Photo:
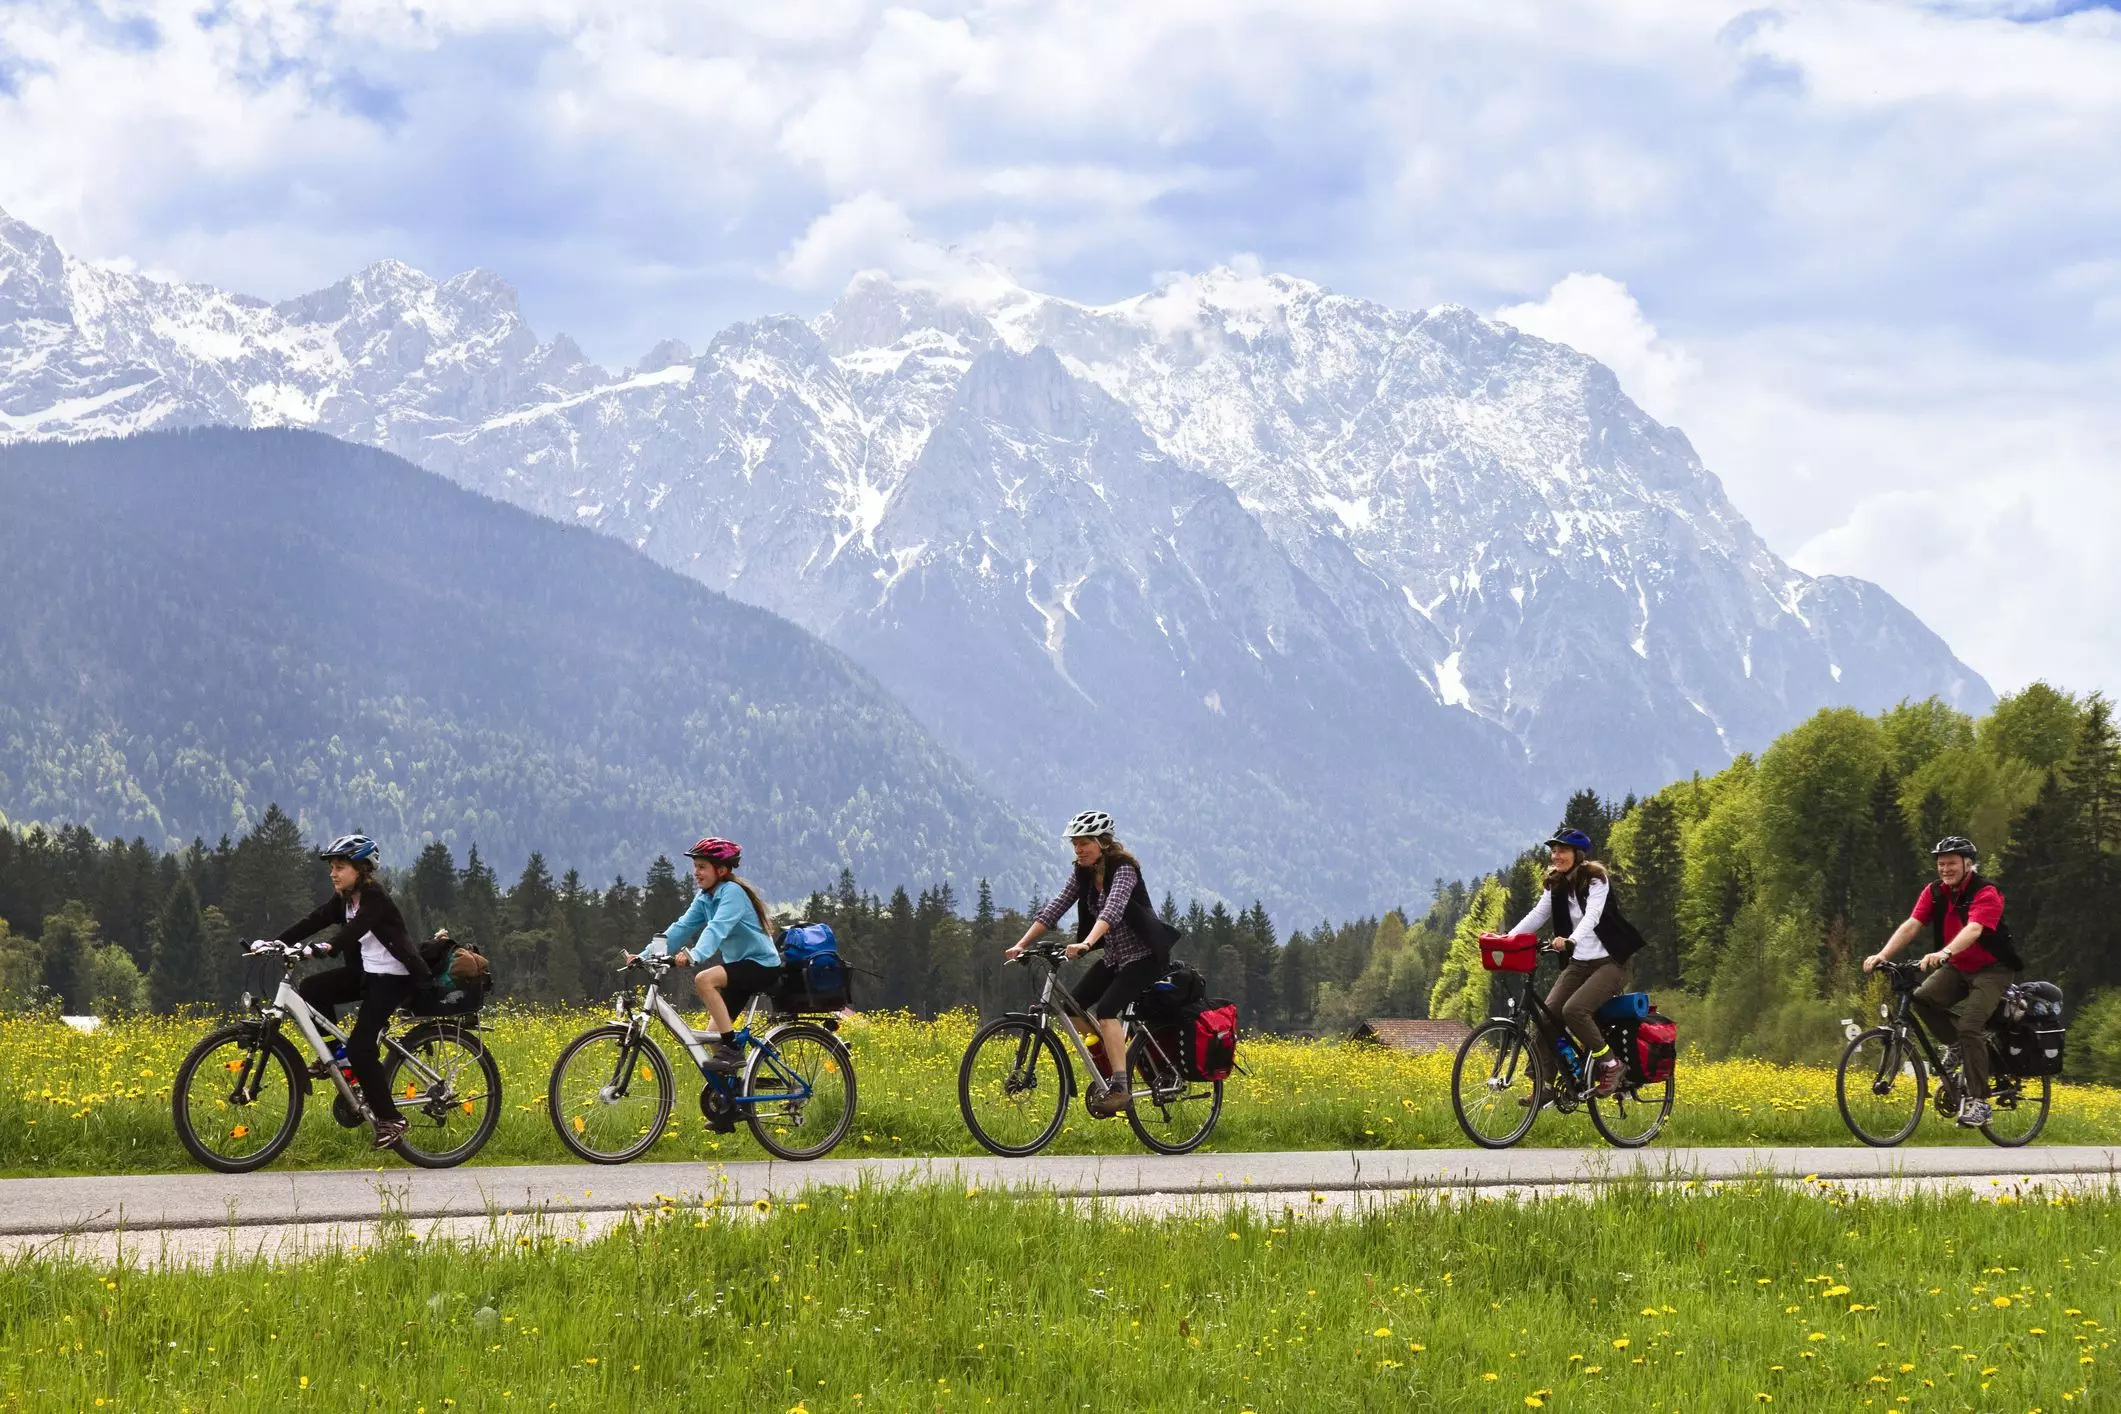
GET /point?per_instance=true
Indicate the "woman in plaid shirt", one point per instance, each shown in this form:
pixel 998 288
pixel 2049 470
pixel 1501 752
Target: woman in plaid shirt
pixel 1113 914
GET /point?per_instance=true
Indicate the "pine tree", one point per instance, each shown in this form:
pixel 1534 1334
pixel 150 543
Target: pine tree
pixel 1461 989
pixel 1656 879
pixel 181 971
pixel 69 936
pixel 434 883
pixel 663 898
pixel 273 879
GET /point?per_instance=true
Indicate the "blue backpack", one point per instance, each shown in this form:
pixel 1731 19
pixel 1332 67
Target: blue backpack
pixel 813 975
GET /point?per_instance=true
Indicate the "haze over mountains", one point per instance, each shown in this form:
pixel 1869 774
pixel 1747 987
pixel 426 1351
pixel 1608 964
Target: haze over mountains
pixel 201 623
pixel 1322 598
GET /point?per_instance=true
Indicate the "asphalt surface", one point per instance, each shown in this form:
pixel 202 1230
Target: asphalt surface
pixel 37 1208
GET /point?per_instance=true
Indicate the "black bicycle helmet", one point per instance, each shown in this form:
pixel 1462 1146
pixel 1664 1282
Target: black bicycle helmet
pixel 1959 845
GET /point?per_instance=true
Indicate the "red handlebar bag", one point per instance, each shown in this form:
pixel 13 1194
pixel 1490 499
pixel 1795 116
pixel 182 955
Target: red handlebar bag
pixel 1514 952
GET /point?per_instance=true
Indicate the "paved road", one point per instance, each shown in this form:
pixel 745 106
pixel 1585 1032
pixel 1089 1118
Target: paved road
pixel 42 1207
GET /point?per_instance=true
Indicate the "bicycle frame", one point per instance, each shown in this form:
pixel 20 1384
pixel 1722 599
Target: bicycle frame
pixel 654 1006
pixel 287 1004
pixel 1055 1000
pixel 1904 1021
pixel 1527 1006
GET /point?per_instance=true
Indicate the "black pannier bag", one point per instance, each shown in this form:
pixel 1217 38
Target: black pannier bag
pixel 1168 999
pixel 2028 1030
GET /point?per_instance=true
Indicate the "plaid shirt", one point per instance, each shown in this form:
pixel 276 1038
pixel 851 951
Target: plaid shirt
pixel 1122 944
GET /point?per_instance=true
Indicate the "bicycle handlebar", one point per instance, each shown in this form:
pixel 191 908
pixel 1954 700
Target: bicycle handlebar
pixel 271 947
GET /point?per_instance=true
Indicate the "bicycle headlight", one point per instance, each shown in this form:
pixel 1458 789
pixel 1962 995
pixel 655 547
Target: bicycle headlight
pixel 249 1002
pixel 1885 1013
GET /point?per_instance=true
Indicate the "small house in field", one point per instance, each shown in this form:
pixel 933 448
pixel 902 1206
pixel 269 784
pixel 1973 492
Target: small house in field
pixel 1406 1034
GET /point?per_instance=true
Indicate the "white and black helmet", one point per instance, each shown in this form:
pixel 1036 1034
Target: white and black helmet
pixel 1089 825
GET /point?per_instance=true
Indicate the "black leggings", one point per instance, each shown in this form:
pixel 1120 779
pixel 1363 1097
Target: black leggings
pixel 380 994
pixel 1105 990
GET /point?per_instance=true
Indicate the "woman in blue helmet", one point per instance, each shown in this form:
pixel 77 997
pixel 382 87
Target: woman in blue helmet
pixel 383 969
pixel 1578 902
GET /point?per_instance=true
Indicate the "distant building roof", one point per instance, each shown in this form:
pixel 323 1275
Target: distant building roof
pixel 1407 1034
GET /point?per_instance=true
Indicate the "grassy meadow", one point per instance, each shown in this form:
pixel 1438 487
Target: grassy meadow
pixel 927 1299
pixel 99 1103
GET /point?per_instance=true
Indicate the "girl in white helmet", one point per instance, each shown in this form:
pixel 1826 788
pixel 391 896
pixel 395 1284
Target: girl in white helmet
pixel 1113 914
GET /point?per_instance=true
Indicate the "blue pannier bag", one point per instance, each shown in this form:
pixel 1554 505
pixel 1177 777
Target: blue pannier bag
pixel 1627 1007
pixel 813 975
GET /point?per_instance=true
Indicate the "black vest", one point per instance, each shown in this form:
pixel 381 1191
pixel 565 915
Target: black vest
pixel 1997 940
pixel 1614 931
pixel 1140 915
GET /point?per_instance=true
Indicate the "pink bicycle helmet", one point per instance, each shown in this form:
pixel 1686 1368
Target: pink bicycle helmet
pixel 717 851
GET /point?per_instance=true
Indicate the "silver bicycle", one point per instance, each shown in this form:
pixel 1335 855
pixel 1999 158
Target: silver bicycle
pixel 239 1095
pixel 612 1088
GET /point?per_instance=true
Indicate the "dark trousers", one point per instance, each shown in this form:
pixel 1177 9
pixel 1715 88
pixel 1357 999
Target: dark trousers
pixel 1582 988
pixel 1956 1006
pixel 380 994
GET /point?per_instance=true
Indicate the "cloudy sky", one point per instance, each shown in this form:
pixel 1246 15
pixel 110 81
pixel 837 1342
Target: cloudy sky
pixel 1867 254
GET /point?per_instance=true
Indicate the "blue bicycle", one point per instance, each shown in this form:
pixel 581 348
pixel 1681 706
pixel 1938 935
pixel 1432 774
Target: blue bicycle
pixel 612 1088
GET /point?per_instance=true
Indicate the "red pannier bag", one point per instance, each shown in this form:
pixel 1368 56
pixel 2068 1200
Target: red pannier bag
pixel 1211 1043
pixel 1656 1048
pixel 1512 952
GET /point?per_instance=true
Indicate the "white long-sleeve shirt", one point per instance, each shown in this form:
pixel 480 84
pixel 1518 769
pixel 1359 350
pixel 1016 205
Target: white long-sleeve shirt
pixel 1585 933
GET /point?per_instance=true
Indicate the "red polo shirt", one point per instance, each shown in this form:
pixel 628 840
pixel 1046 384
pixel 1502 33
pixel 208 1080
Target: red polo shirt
pixel 1985 908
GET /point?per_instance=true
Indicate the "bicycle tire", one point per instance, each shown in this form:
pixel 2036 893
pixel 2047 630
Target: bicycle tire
pixel 835 1063
pixel 1510 1064
pixel 2009 1140
pixel 1609 1114
pixel 577 1118
pixel 1908 1066
pixel 429 1114
pixel 268 1050
pixel 1031 1042
pixel 1156 1074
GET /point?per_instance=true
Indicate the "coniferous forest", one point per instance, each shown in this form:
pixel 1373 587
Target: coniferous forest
pixel 1759 891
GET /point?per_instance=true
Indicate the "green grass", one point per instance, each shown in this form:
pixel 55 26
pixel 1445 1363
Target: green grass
pixel 929 1299
pixel 99 1103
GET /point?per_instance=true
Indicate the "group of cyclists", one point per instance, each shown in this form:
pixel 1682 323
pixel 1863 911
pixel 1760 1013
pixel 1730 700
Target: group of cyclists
pixel 1971 965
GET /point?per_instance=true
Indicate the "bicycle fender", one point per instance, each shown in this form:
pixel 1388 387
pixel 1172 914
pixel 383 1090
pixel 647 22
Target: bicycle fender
pixel 1017 1016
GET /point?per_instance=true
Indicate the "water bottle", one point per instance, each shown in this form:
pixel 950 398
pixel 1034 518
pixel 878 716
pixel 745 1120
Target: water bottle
pixel 1568 1056
pixel 339 1059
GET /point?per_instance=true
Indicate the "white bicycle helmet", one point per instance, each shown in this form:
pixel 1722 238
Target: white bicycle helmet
pixel 1090 824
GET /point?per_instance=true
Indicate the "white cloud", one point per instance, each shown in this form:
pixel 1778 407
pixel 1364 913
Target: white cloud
pixel 1870 232
pixel 1595 314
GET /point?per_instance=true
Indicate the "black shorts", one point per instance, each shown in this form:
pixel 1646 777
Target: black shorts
pixel 747 979
pixel 1105 991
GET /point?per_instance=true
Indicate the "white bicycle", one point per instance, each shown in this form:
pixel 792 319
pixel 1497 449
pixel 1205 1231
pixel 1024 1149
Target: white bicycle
pixel 239 1095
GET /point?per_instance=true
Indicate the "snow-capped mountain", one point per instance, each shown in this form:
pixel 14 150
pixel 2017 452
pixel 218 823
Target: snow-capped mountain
pixel 1322 597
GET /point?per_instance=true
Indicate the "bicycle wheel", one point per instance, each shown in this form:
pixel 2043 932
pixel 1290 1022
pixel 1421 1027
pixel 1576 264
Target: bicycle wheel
pixel 1631 1118
pixel 1013 1087
pixel 800 1084
pixel 450 1107
pixel 1880 1085
pixel 1169 1112
pixel 237 1100
pixel 609 1101
pixel 1492 1084
pixel 2017 1110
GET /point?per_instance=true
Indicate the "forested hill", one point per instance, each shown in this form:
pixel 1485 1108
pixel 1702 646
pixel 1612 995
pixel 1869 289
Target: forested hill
pixel 202 622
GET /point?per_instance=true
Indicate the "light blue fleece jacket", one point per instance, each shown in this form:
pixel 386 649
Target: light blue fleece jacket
pixel 731 926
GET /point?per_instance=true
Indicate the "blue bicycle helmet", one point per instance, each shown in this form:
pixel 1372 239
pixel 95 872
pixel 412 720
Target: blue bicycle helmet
pixel 358 849
pixel 1574 839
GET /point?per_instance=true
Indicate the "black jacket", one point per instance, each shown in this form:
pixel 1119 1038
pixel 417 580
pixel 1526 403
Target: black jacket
pixel 1614 931
pixel 378 915
pixel 1140 914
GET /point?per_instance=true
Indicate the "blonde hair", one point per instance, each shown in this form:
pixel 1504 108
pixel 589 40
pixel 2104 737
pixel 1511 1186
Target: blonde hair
pixel 758 905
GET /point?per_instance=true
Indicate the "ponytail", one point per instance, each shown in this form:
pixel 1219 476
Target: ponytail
pixel 758 906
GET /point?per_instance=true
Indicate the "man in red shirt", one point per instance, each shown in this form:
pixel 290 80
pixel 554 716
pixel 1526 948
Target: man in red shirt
pixel 1964 913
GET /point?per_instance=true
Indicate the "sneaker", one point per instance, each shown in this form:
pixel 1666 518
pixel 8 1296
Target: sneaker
pixel 389 1132
pixel 1606 1078
pixel 1973 1113
pixel 1108 1098
pixel 725 1058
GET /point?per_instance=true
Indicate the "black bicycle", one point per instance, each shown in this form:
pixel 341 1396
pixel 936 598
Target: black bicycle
pixel 1014 1084
pixel 1494 1084
pixel 1884 1074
